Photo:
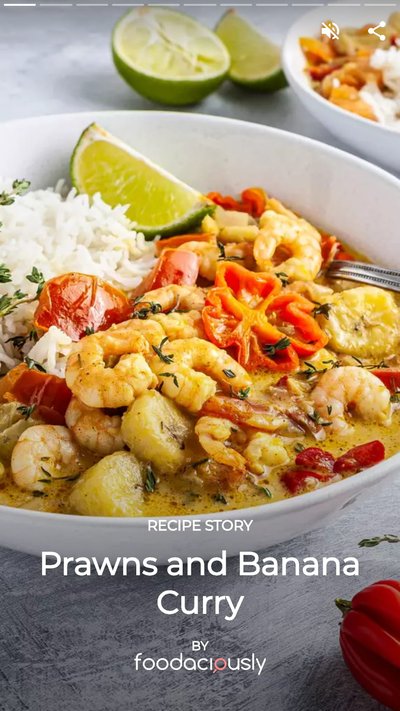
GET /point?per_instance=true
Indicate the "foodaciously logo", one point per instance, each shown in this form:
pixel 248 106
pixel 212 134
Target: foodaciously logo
pixel 212 664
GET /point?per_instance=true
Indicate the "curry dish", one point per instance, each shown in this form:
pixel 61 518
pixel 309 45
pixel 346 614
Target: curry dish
pixel 236 374
pixel 359 71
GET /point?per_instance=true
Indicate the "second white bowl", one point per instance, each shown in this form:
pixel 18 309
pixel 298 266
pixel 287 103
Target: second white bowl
pixel 378 143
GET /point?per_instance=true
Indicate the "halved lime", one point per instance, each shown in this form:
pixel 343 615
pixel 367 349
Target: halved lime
pixel 167 56
pixel 159 203
pixel 255 61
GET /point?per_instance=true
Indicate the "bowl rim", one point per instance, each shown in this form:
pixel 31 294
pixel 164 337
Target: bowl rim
pixel 294 71
pixel 351 485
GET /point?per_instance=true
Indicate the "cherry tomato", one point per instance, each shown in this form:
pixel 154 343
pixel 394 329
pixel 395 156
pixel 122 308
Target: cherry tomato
pixel 48 393
pixel 79 303
pixel 174 266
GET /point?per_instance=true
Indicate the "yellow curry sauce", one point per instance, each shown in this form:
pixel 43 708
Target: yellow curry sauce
pixel 154 444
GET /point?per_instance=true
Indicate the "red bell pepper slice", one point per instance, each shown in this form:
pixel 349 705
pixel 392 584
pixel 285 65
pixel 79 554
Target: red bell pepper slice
pixel 295 479
pixel 360 457
pixel 245 312
pixel 296 310
pixel 389 377
pixel 316 458
pixel 253 201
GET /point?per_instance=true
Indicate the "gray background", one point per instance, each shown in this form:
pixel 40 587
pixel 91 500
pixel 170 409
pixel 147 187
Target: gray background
pixel 68 643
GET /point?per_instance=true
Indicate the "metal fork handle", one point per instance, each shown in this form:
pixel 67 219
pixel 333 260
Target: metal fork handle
pixel 366 277
pixel 365 267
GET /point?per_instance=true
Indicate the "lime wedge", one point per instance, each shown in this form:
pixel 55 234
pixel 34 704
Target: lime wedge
pixel 167 56
pixel 255 61
pixel 159 203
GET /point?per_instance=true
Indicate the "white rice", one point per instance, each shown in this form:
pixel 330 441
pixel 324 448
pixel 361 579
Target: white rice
pixel 59 234
pixel 385 106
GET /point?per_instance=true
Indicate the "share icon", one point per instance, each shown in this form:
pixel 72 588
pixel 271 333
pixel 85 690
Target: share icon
pixel 373 31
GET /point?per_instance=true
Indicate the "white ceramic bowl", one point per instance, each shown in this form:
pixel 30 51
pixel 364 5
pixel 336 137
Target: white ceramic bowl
pixel 338 192
pixel 380 144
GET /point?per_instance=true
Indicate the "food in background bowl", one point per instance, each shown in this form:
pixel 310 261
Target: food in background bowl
pixel 208 371
pixel 359 72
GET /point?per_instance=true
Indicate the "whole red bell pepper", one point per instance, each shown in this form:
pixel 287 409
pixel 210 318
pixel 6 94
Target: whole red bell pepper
pixel 370 640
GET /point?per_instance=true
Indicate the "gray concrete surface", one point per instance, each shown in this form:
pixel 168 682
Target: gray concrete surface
pixel 69 643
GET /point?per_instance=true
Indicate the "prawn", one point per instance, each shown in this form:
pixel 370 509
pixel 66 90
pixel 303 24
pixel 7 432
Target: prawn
pixel 43 453
pixel 97 385
pixel 351 389
pixel 181 325
pixel 214 436
pixel 210 254
pixel 298 243
pixel 93 428
pixel 264 451
pixel 189 370
pixel 174 296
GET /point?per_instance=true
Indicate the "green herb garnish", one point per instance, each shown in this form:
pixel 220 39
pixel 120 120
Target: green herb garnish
pixel 283 277
pixel 243 393
pixel 26 410
pixel 220 498
pixel 271 349
pixel 150 482
pixel 5 274
pixel 36 277
pixel 162 356
pixel 222 255
pixel 18 188
pixel 372 542
pixel 151 307
pixel 200 462
pixel 33 365
pixel 316 417
pixel 170 375
pixel 266 491
pixel 229 373
pixel 322 309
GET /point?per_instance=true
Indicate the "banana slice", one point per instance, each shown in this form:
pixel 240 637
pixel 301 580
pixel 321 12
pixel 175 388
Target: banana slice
pixel 364 322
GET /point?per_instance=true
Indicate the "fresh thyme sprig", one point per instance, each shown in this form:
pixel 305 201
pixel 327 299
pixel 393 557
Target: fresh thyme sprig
pixel 222 255
pixel 5 274
pixel 271 349
pixel 149 307
pixel 375 366
pixel 150 481
pixel 170 375
pixel 241 394
pixel 33 365
pixel 316 417
pixel 311 370
pixel 283 277
pixel 163 356
pixel 229 373
pixel 322 309
pixel 36 277
pixel 9 302
pixel 372 542
pixel 26 410
pixel 19 187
